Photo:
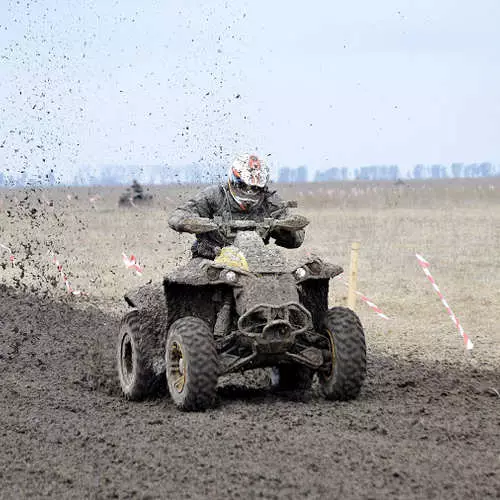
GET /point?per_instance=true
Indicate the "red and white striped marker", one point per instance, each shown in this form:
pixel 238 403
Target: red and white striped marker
pixel 131 263
pixel 425 267
pixel 65 280
pixel 369 303
pixel 11 256
pixel 364 298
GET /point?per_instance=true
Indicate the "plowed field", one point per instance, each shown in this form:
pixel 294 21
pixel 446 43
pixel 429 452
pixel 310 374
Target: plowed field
pixel 426 424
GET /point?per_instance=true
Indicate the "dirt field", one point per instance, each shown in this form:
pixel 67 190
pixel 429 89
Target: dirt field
pixel 426 425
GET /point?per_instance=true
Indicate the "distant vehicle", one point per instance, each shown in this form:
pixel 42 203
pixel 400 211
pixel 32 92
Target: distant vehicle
pixel 134 195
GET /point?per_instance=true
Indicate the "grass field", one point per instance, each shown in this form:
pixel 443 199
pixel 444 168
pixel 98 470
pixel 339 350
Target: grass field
pixel 455 225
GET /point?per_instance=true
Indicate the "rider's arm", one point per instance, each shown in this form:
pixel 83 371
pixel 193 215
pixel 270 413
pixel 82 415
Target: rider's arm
pixel 200 205
pixel 283 237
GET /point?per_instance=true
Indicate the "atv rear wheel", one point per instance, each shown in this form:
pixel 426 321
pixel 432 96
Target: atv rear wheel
pixel 191 364
pixel 138 379
pixel 343 379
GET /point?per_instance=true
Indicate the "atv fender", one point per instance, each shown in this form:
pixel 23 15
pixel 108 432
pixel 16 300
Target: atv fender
pixel 316 269
pixel 146 297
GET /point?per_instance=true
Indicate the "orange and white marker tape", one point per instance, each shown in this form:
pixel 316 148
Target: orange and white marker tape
pixel 11 256
pixel 131 263
pixel 65 280
pixel 364 298
pixel 425 267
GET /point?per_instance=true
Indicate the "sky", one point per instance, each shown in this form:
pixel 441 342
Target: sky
pixel 322 83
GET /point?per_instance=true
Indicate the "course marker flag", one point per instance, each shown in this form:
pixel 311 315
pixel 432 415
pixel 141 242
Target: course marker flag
pixel 131 263
pixel 64 278
pixel 425 267
pixel 365 299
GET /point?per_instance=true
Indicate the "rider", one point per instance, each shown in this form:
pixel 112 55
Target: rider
pixel 245 196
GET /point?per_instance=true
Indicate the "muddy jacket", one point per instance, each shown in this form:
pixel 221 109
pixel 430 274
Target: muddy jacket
pixel 216 201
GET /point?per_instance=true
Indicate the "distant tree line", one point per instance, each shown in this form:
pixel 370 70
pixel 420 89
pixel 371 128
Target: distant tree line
pixel 118 175
pixel 389 172
pixel 456 170
pixel 298 174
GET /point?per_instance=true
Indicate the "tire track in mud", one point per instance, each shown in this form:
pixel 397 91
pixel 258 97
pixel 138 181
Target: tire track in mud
pixel 417 430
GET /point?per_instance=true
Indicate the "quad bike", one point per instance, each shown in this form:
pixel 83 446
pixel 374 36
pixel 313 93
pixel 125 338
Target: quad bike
pixel 249 308
pixel 132 199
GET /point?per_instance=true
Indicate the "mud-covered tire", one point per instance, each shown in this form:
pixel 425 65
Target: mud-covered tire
pixel 192 366
pixel 294 377
pixel 134 356
pixel 344 379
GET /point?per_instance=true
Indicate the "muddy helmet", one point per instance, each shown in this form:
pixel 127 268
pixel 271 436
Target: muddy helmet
pixel 248 178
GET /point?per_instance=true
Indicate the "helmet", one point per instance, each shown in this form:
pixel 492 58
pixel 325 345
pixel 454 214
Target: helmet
pixel 248 178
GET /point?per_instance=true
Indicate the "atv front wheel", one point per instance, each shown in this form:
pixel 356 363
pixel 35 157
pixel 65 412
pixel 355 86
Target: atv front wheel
pixel 191 364
pixel 342 380
pixel 135 347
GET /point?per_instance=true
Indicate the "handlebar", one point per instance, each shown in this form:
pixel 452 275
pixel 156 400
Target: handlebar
pixel 241 225
pixel 291 223
pixel 204 225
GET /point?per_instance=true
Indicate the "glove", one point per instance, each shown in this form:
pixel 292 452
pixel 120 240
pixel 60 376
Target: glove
pixel 291 223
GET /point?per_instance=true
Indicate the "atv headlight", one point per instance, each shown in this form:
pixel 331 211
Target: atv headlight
pixel 300 273
pixel 231 277
pixel 213 273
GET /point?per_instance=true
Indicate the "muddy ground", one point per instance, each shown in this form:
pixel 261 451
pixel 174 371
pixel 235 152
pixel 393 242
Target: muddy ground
pixel 426 425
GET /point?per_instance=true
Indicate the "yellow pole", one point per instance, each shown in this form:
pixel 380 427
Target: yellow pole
pixel 353 276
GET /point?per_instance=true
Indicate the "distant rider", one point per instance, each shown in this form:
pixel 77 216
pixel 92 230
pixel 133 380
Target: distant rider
pixel 245 196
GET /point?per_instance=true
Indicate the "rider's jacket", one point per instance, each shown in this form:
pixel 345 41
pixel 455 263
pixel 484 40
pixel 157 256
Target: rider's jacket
pixel 216 201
